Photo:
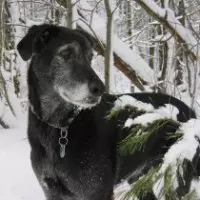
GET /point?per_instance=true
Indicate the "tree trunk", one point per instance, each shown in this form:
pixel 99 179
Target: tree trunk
pixel 180 52
pixel 130 23
pixel 3 91
pixel 108 51
pixel 165 56
pixel 69 13
pixel 1 31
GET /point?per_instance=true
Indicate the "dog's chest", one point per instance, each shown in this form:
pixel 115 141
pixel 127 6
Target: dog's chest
pixel 86 176
pixel 88 167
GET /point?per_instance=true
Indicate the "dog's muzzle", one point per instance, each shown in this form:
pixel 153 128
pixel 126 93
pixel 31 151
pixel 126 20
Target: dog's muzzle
pixel 96 88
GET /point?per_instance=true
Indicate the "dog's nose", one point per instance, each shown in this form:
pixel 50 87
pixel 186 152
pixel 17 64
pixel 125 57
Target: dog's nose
pixel 96 87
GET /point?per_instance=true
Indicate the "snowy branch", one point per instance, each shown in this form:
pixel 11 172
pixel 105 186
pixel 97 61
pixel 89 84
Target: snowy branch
pixel 167 18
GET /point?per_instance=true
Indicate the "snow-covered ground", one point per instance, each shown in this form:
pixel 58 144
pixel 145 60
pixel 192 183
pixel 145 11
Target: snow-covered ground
pixel 17 180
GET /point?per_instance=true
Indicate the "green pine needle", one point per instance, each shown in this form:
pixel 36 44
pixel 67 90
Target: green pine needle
pixel 191 195
pixel 139 136
pixel 143 185
pixel 168 189
pixel 113 113
pixel 135 141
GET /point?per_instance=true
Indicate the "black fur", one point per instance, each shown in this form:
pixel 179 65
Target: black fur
pixel 92 165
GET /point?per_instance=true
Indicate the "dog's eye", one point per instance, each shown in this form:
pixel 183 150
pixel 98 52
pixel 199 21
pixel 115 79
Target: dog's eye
pixel 67 53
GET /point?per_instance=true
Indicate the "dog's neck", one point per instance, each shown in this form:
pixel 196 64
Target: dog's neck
pixel 48 107
pixel 61 118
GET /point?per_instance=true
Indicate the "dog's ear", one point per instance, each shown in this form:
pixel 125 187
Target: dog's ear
pixel 25 46
pixel 84 33
pixel 36 40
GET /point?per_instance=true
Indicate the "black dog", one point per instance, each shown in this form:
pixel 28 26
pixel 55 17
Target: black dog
pixel 67 103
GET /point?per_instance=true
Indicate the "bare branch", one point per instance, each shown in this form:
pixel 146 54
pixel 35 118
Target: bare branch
pixel 169 21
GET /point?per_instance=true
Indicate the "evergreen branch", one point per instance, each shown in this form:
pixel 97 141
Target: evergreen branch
pixel 113 113
pixel 144 185
pixel 139 136
pixel 168 189
pixel 191 195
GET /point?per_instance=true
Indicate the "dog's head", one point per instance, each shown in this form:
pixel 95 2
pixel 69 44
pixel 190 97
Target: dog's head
pixel 61 59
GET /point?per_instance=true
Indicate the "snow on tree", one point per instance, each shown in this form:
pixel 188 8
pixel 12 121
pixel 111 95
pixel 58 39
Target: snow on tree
pixel 174 172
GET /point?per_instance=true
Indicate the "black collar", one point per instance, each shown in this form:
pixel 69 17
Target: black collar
pixel 62 120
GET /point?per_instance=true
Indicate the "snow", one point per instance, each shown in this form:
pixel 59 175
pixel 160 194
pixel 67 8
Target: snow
pixel 164 112
pixel 129 122
pixel 125 100
pixel 147 118
pixel 17 179
pixel 121 189
pixel 168 111
pixel 151 4
pixel 195 185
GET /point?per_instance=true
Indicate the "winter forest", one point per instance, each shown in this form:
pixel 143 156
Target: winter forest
pixel 139 46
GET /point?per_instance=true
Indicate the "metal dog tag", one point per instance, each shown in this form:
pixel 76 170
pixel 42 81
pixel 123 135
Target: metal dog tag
pixel 62 151
pixel 63 141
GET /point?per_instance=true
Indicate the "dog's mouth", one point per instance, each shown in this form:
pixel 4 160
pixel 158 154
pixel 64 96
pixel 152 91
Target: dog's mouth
pixel 91 100
pixel 87 102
